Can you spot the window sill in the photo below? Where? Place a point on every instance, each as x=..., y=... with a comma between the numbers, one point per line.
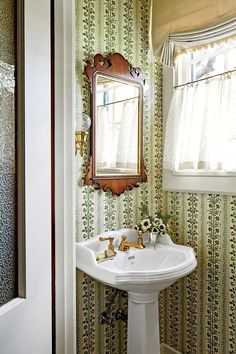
x=220, y=183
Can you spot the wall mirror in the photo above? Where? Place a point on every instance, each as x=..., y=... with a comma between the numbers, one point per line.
x=117, y=119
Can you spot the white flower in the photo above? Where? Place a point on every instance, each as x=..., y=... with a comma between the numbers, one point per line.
x=155, y=229
x=155, y=225
x=145, y=224
x=157, y=221
x=162, y=227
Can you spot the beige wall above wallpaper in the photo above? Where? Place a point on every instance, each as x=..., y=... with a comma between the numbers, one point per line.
x=198, y=313
x=173, y=16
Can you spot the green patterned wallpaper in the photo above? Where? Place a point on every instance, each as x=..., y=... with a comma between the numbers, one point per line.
x=197, y=314
x=200, y=310
x=105, y=26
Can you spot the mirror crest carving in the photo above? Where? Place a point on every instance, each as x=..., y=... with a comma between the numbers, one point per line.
x=117, y=118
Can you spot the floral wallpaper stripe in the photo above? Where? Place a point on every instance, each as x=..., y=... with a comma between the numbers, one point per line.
x=224, y=274
x=202, y=265
x=213, y=273
x=190, y=289
x=232, y=278
x=197, y=314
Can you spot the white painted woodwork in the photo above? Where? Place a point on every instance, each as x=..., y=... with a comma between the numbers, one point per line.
x=25, y=324
x=64, y=177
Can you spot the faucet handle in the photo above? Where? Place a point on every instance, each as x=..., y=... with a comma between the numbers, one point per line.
x=106, y=238
x=123, y=238
x=123, y=246
x=110, y=245
x=140, y=239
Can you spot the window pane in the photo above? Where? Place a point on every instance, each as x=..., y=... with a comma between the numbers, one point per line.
x=8, y=230
x=231, y=59
x=206, y=62
x=201, y=119
x=209, y=66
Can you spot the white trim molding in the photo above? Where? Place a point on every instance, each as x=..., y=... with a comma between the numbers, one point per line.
x=193, y=183
x=64, y=177
x=11, y=305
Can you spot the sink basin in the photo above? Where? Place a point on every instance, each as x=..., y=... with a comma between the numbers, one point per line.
x=143, y=274
x=143, y=270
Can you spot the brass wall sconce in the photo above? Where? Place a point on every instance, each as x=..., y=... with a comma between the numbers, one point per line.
x=81, y=134
x=80, y=139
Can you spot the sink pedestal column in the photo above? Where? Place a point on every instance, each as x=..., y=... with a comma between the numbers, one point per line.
x=143, y=323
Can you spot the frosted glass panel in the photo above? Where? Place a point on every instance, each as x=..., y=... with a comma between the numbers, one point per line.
x=8, y=190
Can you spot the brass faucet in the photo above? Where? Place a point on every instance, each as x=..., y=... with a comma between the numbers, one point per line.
x=125, y=245
x=110, y=249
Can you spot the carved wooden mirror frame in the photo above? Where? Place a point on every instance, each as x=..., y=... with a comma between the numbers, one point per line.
x=116, y=67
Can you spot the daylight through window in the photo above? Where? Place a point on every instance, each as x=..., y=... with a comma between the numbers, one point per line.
x=201, y=125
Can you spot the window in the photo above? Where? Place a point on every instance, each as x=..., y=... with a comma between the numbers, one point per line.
x=205, y=62
x=200, y=134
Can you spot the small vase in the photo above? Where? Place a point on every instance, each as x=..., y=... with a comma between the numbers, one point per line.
x=153, y=239
x=146, y=237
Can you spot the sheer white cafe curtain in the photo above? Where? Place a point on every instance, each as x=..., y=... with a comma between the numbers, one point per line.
x=201, y=126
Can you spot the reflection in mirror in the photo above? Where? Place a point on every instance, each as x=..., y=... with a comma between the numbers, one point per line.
x=117, y=127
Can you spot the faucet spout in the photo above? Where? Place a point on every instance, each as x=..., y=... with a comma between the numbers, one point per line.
x=125, y=245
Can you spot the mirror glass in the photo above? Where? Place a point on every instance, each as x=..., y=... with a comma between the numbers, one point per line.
x=117, y=107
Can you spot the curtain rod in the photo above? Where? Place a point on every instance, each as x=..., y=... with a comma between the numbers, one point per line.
x=127, y=99
x=205, y=78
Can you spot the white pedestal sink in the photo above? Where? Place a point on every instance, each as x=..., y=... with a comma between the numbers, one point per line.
x=143, y=323
x=143, y=274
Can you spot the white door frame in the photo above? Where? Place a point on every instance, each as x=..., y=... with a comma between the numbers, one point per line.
x=64, y=177
x=25, y=322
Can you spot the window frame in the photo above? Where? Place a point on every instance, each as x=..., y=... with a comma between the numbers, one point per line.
x=186, y=181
